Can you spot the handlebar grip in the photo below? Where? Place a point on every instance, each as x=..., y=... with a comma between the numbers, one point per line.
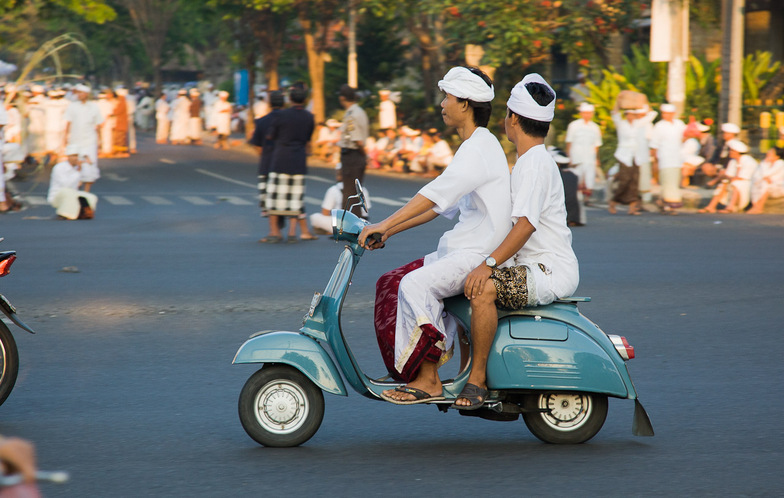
x=376, y=237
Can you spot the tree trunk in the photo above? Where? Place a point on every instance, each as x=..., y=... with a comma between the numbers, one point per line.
x=316, y=60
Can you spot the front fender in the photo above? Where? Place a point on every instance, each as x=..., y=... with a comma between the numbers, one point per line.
x=297, y=350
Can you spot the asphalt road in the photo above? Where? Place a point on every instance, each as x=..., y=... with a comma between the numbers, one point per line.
x=128, y=383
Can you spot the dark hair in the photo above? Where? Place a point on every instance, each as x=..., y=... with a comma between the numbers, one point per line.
x=276, y=99
x=347, y=92
x=779, y=152
x=482, y=110
x=542, y=95
x=297, y=95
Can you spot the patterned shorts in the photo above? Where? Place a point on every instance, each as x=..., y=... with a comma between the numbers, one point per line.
x=511, y=287
x=285, y=194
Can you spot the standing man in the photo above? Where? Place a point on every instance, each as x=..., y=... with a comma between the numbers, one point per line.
x=222, y=109
x=475, y=189
x=82, y=124
x=387, y=117
x=666, y=142
x=261, y=139
x=194, y=123
x=36, y=122
x=353, y=133
x=583, y=139
x=544, y=267
x=162, y=119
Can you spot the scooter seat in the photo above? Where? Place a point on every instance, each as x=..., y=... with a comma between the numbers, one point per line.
x=460, y=306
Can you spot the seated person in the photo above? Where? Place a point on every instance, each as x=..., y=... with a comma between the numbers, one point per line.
x=440, y=154
x=322, y=222
x=325, y=146
x=387, y=148
x=541, y=264
x=571, y=182
x=768, y=180
x=714, y=165
x=410, y=144
x=414, y=335
x=734, y=190
x=64, y=195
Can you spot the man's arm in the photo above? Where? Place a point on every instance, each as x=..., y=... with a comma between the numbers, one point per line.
x=516, y=239
x=418, y=205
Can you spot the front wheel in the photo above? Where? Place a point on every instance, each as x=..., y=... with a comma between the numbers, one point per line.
x=9, y=362
x=565, y=418
x=280, y=407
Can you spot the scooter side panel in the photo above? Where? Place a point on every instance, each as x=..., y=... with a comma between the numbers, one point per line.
x=297, y=350
x=574, y=364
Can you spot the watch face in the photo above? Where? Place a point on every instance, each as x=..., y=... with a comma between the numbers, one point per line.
x=490, y=261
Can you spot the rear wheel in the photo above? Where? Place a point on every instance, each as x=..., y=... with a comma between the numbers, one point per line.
x=9, y=362
x=279, y=406
x=565, y=418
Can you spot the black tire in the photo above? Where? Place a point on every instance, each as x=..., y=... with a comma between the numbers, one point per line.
x=280, y=407
x=565, y=418
x=9, y=362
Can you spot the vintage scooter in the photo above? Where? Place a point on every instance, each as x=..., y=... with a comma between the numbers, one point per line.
x=549, y=364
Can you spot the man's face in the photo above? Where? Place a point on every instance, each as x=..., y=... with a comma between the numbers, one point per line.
x=452, y=110
x=82, y=96
x=587, y=115
x=508, y=123
x=727, y=136
x=734, y=154
x=668, y=116
x=74, y=159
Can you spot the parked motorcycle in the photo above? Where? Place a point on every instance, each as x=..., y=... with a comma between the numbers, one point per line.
x=549, y=364
x=9, y=356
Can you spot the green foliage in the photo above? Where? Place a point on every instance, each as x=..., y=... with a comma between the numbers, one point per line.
x=648, y=77
x=702, y=87
x=757, y=72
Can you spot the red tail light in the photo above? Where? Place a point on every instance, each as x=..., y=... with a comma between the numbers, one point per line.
x=5, y=265
x=622, y=346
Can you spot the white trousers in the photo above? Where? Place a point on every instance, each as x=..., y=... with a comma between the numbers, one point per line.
x=421, y=300
x=66, y=202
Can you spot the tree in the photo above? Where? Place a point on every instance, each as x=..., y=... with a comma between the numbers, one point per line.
x=152, y=19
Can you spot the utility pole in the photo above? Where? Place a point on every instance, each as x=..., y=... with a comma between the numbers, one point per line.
x=670, y=43
x=733, y=28
x=352, y=45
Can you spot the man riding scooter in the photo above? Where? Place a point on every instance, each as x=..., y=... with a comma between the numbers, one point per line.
x=544, y=267
x=414, y=337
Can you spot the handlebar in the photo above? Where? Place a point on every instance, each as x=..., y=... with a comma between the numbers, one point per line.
x=55, y=476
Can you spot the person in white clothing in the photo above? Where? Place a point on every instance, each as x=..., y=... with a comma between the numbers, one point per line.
x=633, y=156
x=82, y=123
x=181, y=115
x=106, y=134
x=534, y=264
x=322, y=222
x=54, y=114
x=583, y=139
x=414, y=336
x=144, y=111
x=36, y=122
x=64, y=195
x=222, y=110
x=162, y=109
x=666, y=155
x=768, y=181
x=387, y=117
x=734, y=190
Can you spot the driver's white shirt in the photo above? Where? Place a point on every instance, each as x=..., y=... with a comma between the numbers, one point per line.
x=475, y=185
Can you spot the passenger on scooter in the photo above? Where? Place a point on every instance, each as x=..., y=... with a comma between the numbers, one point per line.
x=541, y=264
x=414, y=337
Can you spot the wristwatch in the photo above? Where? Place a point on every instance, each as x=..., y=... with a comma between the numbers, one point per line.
x=490, y=262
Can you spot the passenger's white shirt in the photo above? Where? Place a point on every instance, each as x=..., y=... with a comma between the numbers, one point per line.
x=84, y=117
x=667, y=139
x=64, y=175
x=538, y=195
x=583, y=137
x=476, y=185
x=742, y=169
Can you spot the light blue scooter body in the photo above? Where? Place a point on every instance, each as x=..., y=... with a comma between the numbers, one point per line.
x=545, y=348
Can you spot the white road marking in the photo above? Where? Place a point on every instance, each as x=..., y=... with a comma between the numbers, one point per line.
x=237, y=201
x=157, y=200
x=168, y=161
x=198, y=201
x=36, y=200
x=385, y=201
x=312, y=200
x=227, y=179
x=114, y=177
x=117, y=200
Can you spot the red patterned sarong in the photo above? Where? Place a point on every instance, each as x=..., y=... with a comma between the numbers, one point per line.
x=386, y=321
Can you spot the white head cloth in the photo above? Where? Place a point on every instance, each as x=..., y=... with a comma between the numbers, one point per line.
x=464, y=84
x=82, y=88
x=521, y=102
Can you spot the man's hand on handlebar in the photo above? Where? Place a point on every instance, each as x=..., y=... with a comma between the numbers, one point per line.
x=373, y=237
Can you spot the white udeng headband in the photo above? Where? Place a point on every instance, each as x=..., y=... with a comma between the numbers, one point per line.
x=521, y=102
x=464, y=84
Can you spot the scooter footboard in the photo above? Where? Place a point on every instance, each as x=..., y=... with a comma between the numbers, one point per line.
x=296, y=350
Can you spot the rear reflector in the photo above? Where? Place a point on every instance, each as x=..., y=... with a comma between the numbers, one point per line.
x=622, y=346
x=5, y=265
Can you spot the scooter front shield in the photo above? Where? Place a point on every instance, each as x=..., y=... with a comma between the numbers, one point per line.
x=297, y=350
